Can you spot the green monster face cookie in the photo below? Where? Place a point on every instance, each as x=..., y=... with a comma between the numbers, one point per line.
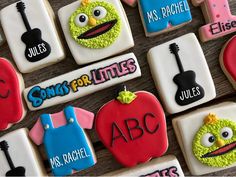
x=95, y=24
x=215, y=142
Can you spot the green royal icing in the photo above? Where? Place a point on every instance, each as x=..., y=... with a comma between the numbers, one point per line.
x=103, y=40
x=199, y=149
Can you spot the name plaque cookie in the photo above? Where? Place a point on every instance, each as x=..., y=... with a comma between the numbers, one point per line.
x=82, y=82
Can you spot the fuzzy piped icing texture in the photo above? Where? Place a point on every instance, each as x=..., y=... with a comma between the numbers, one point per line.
x=100, y=40
x=214, y=143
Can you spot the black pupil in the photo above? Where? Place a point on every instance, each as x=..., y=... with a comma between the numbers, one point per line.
x=97, y=13
x=82, y=18
x=225, y=134
x=211, y=139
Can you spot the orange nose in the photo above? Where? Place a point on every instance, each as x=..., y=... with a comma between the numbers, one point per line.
x=92, y=21
x=220, y=143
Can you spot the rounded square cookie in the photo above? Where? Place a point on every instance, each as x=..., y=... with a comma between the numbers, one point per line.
x=36, y=43
x=181, y=73
x=92, y=37
x=18, y=156
x=201, y=136
x=159, y=16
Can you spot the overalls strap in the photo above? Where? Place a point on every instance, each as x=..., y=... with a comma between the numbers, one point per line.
x=70, y=115
x=46, y=121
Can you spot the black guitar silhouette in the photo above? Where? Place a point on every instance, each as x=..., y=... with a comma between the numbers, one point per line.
x=188, y=90
x=15, y=171
x=36, y=48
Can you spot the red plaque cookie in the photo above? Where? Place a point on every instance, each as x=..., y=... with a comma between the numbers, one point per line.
x=227, y=60
x=133, y=127
x=11, y=85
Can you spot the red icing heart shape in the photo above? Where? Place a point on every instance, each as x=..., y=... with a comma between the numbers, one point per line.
x=11, y=106
x=134, y=133
x=229, y=61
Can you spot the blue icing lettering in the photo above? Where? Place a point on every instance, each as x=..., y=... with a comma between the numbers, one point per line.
x=38, y=95
x=159, y=14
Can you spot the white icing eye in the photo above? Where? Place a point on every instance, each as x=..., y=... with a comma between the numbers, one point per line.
x=208, y=140
x=226, y=133
x=81, y=20
x=99, y=12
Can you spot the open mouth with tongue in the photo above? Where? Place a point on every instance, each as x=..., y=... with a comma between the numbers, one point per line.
x=98, y=30
x=221, y=151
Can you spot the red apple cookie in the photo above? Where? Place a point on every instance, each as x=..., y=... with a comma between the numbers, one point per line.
x=11, y=86
x=227, y=60
x=133, y=127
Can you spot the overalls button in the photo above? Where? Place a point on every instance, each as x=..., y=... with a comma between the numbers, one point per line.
x=46, y=127
x=71, y=120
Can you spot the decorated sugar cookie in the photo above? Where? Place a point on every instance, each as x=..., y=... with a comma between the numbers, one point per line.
x=2, y=38
x=36, y=43
x=159, y=16
x=207, y=138
x=18, y=156
x=215, y=142
x=131, y=3
x=181, y=73
x=82, y=82
x=132, y=132
x=95, y=24
x=162, y=166
x=95, y=29
x=220, y=21
x=11, y=104
x=66, y=144
x=227, y=60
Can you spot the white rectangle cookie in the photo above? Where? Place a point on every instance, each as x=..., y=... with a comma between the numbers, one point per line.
x=207, y=138
x=82, y=82
x=163, y=166
x=181, y=73
x=18, y=156
x=95, y=29
x=31, y=34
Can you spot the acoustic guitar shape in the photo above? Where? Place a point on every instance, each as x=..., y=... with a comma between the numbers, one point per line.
x=36, y=48
x=15, y=171
x=188, y=90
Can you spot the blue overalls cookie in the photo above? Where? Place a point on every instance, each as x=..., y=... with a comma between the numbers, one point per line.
x=66, y=144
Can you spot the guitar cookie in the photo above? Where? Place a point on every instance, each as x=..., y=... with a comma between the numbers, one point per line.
x=67, y=145
x=18, y=156
x=188, y=90
x=227, y=60
x=181, y=73
x=11, y=87
x=95, y=29
x=31, y=33
x=159, y=16
x=132, y=132
x=219, y=19
x=36, y=48
x=207, y=138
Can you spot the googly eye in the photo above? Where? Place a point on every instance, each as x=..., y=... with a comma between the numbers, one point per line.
x=207, y=140
x=99, y=12
x=81, y=20
x=226, y=133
